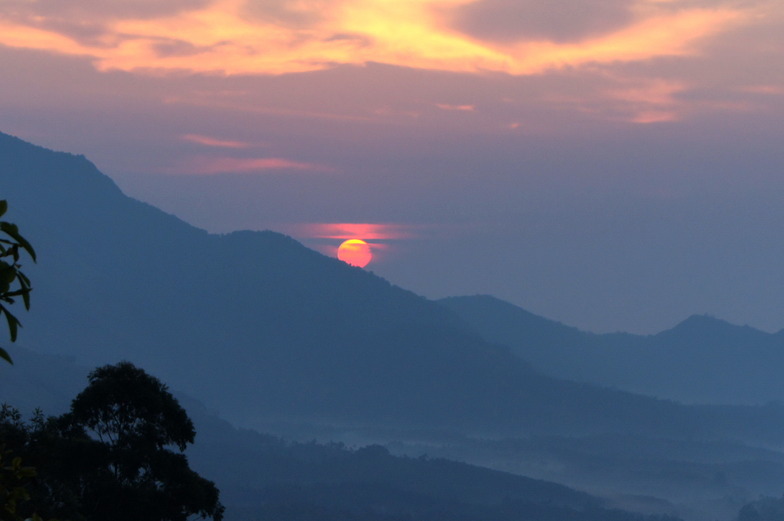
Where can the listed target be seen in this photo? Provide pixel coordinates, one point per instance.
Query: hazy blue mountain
(702, 359)
(264, 330)
(259, 327)
(264, 477)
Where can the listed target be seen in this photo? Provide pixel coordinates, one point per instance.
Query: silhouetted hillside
(258, 326)
(264, 477)
(702, 359)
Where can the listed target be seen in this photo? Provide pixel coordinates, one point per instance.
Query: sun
(355, 252)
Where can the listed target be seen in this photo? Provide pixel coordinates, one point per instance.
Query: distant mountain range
(258, 326)
(701, 360)
(267, 332)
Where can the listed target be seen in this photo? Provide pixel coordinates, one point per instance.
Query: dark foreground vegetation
(110, 456)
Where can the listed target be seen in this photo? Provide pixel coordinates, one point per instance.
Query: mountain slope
(261, 476)
(702, 359)
(259, 327)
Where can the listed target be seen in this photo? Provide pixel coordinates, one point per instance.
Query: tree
(136, 420)
(13, 282)
(16, 479)
(14, 486)
(111, 457)
(127, 409)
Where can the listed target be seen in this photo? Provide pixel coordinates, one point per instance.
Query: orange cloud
(26, 37)
(220, 37)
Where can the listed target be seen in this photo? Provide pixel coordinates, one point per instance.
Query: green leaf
(9, 228)
(3, 207)
(13, 325)
(17, 293)
(23, 280)
(7, 276)
(13, 231)
(28, 248)
(5, 356)
(26, 298)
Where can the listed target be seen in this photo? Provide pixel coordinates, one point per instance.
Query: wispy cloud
(774, 90)
(344, 231)
(650, 101)
(675, 34)
(655, 116)
(460, 108)
(214, 142)
(232, 165)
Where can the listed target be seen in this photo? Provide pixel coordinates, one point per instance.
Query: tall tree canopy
(128, 409)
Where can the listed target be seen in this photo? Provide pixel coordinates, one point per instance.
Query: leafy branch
(13, 282)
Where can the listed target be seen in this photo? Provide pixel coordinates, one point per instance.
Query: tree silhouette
(116, 455)
(127, 409)
(136, 420)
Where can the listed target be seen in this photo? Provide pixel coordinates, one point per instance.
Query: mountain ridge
(261, 329)
(700, 359)
(258, 326)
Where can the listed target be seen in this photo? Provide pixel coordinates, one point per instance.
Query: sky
(616, 165)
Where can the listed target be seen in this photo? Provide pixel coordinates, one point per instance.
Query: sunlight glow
(370, 231)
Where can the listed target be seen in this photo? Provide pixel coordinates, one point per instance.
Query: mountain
(262, 329)
(267, 332)
(701, 360)
(264, 477)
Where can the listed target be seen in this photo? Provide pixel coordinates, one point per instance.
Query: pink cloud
(214, 142)
(232, 165)
(343, 231)
(461, 108)
(655, 116)
(776, 90)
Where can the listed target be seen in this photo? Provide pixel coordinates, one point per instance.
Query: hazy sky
(613, 164)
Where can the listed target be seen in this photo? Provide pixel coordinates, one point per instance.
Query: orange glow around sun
(355, 252)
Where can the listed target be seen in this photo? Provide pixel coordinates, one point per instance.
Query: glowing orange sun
(355, 252)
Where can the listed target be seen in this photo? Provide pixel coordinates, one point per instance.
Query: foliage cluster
(13, 282)
(110, 456)
(14, 481)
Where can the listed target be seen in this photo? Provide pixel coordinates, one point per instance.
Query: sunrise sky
(613, 164)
